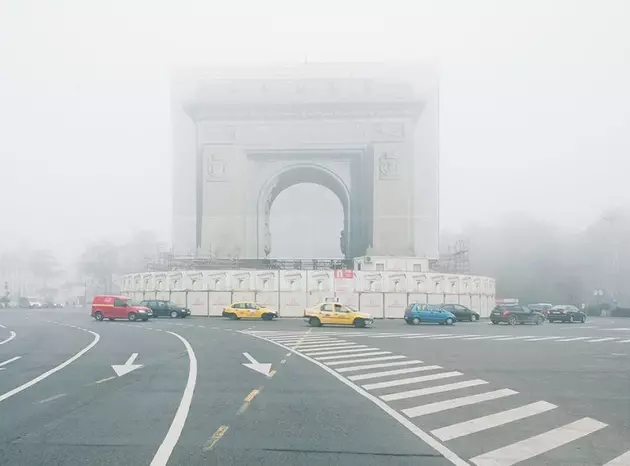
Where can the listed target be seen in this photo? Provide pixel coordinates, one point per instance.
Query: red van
(118, 307)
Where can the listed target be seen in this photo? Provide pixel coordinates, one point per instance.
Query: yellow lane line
(220, 432)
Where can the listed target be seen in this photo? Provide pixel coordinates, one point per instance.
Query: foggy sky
(534, 103)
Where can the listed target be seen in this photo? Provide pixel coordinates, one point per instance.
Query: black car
(565, 313)
(515, 314)
(462, 313)
(163, 308)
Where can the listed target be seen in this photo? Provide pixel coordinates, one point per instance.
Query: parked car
(336, 314)
(515, 314)
(543, 308)
(164, 308)
(30, 303)
(249, 310)
(417, 313)
(461, 313)
(566, 313)
(118, 307)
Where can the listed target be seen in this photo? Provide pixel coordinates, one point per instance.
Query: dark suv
(515, 314)
(163, 308)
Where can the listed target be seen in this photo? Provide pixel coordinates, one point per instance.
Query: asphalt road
(468, 394)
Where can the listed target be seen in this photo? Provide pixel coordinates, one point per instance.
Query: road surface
(213, 391)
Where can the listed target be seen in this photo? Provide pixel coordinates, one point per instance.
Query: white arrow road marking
(8, 361)
(128, 366)
(11, 337)
(263, 368)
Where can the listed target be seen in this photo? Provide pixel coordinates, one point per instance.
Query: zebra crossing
(469, 337)
(426, 394)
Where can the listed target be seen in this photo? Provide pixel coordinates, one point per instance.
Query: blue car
(416, 313)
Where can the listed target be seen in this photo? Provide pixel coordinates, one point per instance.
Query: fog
(533, 107)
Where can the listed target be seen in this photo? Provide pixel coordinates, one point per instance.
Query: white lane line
(2, 326)
(575, 339)
(352, 361)
(450, 337)
(175, 430)
(487, 337)
(493, 420)
(376, 375)
(324, 347)
(439, 406)
(544, 338)
(514, 338)
(379, 365)
(431, 390)
(346, 356)
(448, 454)
(350, 349)
(624, 341)
(11, 337)
(46, 400)
(623, 460)
(106, 379)
(46, 374)
(602, 339)
(539, 444)
(426, 335)
(410, 380)
(9, 361)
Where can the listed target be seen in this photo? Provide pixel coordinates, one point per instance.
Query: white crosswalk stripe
(543, 338)
(425, 335)
(492, 420)
(417, 396)
(539, 444)
(345, 356)
(623, 460)
(575, 339)
(411, 380)
(432, 408)
(353, 361)
(353, 349)
(432, 390)
(341, 344)
(379, 365)
(408, 370)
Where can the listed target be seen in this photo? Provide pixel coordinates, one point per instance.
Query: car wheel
(415, 321)
(359, 323)
(98, 316)
(495, 322)
(512, 320)
(314, 322)
(551, 321)
(233, 316)
(132, 316)
(539, 320)
(111, 319)
(267, 317)
(583, 319)
(408, 322)
(449, 321)
(475, 318)
(174, 314)
(571, 319)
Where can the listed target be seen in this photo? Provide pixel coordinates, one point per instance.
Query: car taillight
(506, 313)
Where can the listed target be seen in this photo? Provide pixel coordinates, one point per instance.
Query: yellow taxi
(249, 310)
(336, 314)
